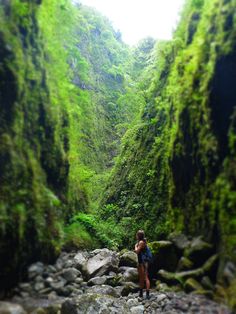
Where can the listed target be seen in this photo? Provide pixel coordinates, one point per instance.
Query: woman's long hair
(141, 236)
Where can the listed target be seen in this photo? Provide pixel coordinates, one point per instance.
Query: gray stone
(51, 269)
(130, 275)
(35, 269)
(132, 302)
(68, 264)
(58, 284)
(11, 308)
(229, 273)
(97, 281)
(104, 290)
(70, 274)
(39, 286)
(102, 263)
(128, 259)
(69, 307)
(79, 280)
(137, 309)
(129, 287)
(80, 261)
(25, 286)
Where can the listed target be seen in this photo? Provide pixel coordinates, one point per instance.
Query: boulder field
(105, 281)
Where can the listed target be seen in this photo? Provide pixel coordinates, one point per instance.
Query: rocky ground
(101, 281)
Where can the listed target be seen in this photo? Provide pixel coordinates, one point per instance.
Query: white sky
(137, 19)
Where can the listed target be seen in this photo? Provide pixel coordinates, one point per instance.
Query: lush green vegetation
(98, 139)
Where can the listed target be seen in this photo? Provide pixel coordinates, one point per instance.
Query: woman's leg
(147, 281)
(141, 274)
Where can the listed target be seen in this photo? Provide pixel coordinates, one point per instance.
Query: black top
(140, 257)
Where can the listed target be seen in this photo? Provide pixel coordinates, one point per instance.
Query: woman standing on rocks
(140, 248)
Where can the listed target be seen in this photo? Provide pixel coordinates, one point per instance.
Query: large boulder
(80, 261)
(128, 259)
(199, 251)
(179, 240)
(129, 274)
(165, 256)
(70, 274)
(102, 263)
(11, 308)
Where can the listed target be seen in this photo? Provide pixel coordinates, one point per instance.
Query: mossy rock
(207, 293)
(207, 283)
(165, 257)
(184, 264)
(168, 277)
(198, 252)
(192, 284)
(179, 240)
(164, 287)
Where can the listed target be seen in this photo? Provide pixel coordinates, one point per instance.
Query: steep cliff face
(33, 161)
(177, 168)
(60, 83)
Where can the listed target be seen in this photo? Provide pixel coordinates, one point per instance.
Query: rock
(229, 273)
(97, 281)
(80, 261)
(104, 290)
(199, 251)
(11, 308)
(39, 286)
(192, 285)
(68, 264)
(137, 309)
(207, 293)
(48, 281)
(59, 264)
(129, 287)
(58, 284)
(51, 269)
(25, 286)
(173, 278)
(184, 264)
(179, 240)
(79, 280)
(130, 275)
(70, 274)
(69, 307)
(128, 259)
(132, 302)
(102, 263)
(206, 283)
(38, 278)
(168, 277)
(35, 269)
(165, 256)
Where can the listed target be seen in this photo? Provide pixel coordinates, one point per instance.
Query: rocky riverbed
(101, 281)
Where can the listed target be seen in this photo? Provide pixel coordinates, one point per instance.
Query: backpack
(147, 255)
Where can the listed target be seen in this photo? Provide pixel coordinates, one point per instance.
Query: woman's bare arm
(139, 247)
